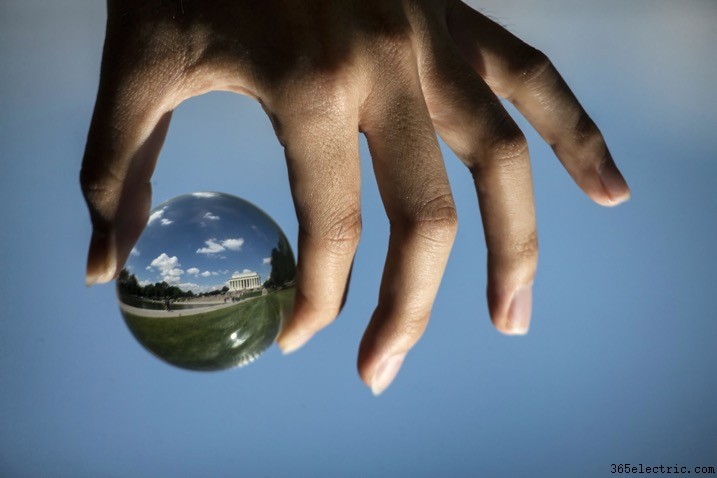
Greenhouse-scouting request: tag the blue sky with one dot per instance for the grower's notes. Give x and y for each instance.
(619, 363)
(198, 241)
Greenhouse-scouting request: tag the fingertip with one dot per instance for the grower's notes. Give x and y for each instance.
(378, 362)
(101, 259)
(613, 184)
(290, 343)
(301, 327)
(378, 372)
(385, 373)
(512, 314)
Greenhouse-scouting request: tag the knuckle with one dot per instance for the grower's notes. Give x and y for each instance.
(522, 256)
(509, 147)
(386, 24)
(319, 97)
(339, 233)
(409, 322)
(526, 251)
(145, 64)
(436, 219)
(533, 65)
(412, 328)
(393, 46)
(394, 43)
(99, 184)
(586, 133)
(324, 310)
(400, 58)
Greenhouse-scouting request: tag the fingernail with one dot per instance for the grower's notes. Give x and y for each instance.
(613, 183)
(385, 373)
(519, 312)
(101, 260)
(292, 344)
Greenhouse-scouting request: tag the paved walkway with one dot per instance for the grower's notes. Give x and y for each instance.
(211, 306)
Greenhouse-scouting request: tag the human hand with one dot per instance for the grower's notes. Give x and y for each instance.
(397, 70)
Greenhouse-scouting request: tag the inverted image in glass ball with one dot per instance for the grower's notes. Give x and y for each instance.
(209, 283)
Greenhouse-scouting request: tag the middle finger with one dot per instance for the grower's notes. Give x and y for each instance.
(414, 188)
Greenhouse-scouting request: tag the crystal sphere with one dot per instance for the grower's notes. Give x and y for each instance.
(209, 283)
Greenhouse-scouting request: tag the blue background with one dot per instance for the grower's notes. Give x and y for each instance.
(619, 365)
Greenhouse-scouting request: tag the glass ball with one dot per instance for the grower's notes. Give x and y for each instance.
(209, 283)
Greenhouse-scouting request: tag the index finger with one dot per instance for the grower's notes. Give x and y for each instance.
(130, 121)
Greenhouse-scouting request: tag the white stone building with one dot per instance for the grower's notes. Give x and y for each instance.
(247, 280)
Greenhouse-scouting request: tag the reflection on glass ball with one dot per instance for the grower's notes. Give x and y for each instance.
(209, 283)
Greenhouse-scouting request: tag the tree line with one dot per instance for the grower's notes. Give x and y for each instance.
(128, 284)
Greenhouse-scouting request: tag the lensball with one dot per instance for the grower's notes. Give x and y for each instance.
(209, 283)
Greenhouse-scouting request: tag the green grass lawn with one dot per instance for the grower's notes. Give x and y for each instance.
(228, 337)
(250, 294)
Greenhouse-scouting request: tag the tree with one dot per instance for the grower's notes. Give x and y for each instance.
(283, 269)
(128, 284)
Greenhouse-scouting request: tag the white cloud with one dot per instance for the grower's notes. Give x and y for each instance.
(210, 216)
(266, 260)
(168, 268)
(144, 283)
(156, 215)
(247, 270)
(172, 280)
(173, 272)
(204, 195)
(233, 244)
(205, 274)
(215, 273)
(213, 247)
(163, 262)
(134, 252)
(198, 289)
(166, 222)
(193, 271)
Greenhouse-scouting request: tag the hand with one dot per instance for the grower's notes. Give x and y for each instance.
(397, 70)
